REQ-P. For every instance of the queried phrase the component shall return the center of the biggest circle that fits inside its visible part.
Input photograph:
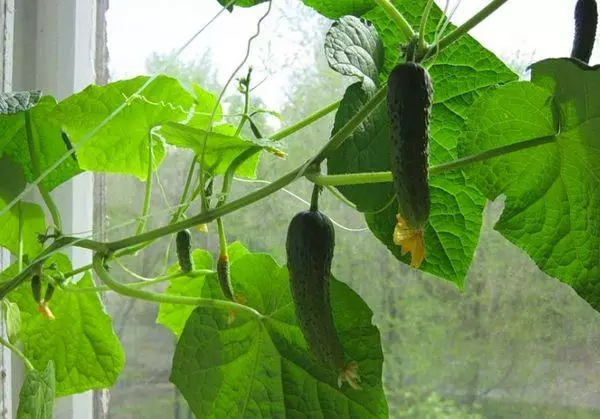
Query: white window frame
(51, 45)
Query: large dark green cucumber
(409, 99)
(309, 245)
(586, 21)
(183, 242)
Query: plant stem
(148, 194)
(280, 135)
(336, 140)
(489, 154)
(17, 352)
(143, 284)
(385, 177)
(186, 188)
(468, 25)
(245, 116)
(314, 199)
(397, 17)
(123, 289)
(35, 163)
(424, 18)
(340, 136)
(20, 239)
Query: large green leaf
(460, 74)
(47, 143)
(36, 399)
(261, 367)
(29, 216)
(220, 146)
(552, 191)
(122, 144)
(80, 342)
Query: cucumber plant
(296, 326)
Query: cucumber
(36, 288)
(309, 246)
(224, 277)
(183, 243)
(409, 101)
(586, 21)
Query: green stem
(17, 352)
(77, 271)
(336, 140)
(424, 18)
(314, 199)
(148, 194)
(245, 116)
(397, 17)
(186, 188)
(340, 136)
(119, 288)
(467, 26)
(280, 135)
(59, 244)
(20, 239)
(35, 163)
(386, 177)
(143, 284)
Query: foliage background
(515, 343)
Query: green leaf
(204, 104)
(36, 399)
(241, 3)
(261, 367)
(452, 233)
(333, 9)
(222, 146)
(363, 151)
(353, 48)
(121, 145)
(13, 102)
(11, 317)
(80, 342)
(551, 191)
(47, 141)
(174, 316)
(29, 216)
(460, 74)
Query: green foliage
(550, 209)
(80, 342)
(25, 217)
(46, 143)
(258, 366)
(251, 359)
(36, 399)
(121, 144)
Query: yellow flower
(45, 310)
(202, 228)
(410, 241)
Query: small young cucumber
(310, 244)
(410, 93)
(183, 242)
(586, 21)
